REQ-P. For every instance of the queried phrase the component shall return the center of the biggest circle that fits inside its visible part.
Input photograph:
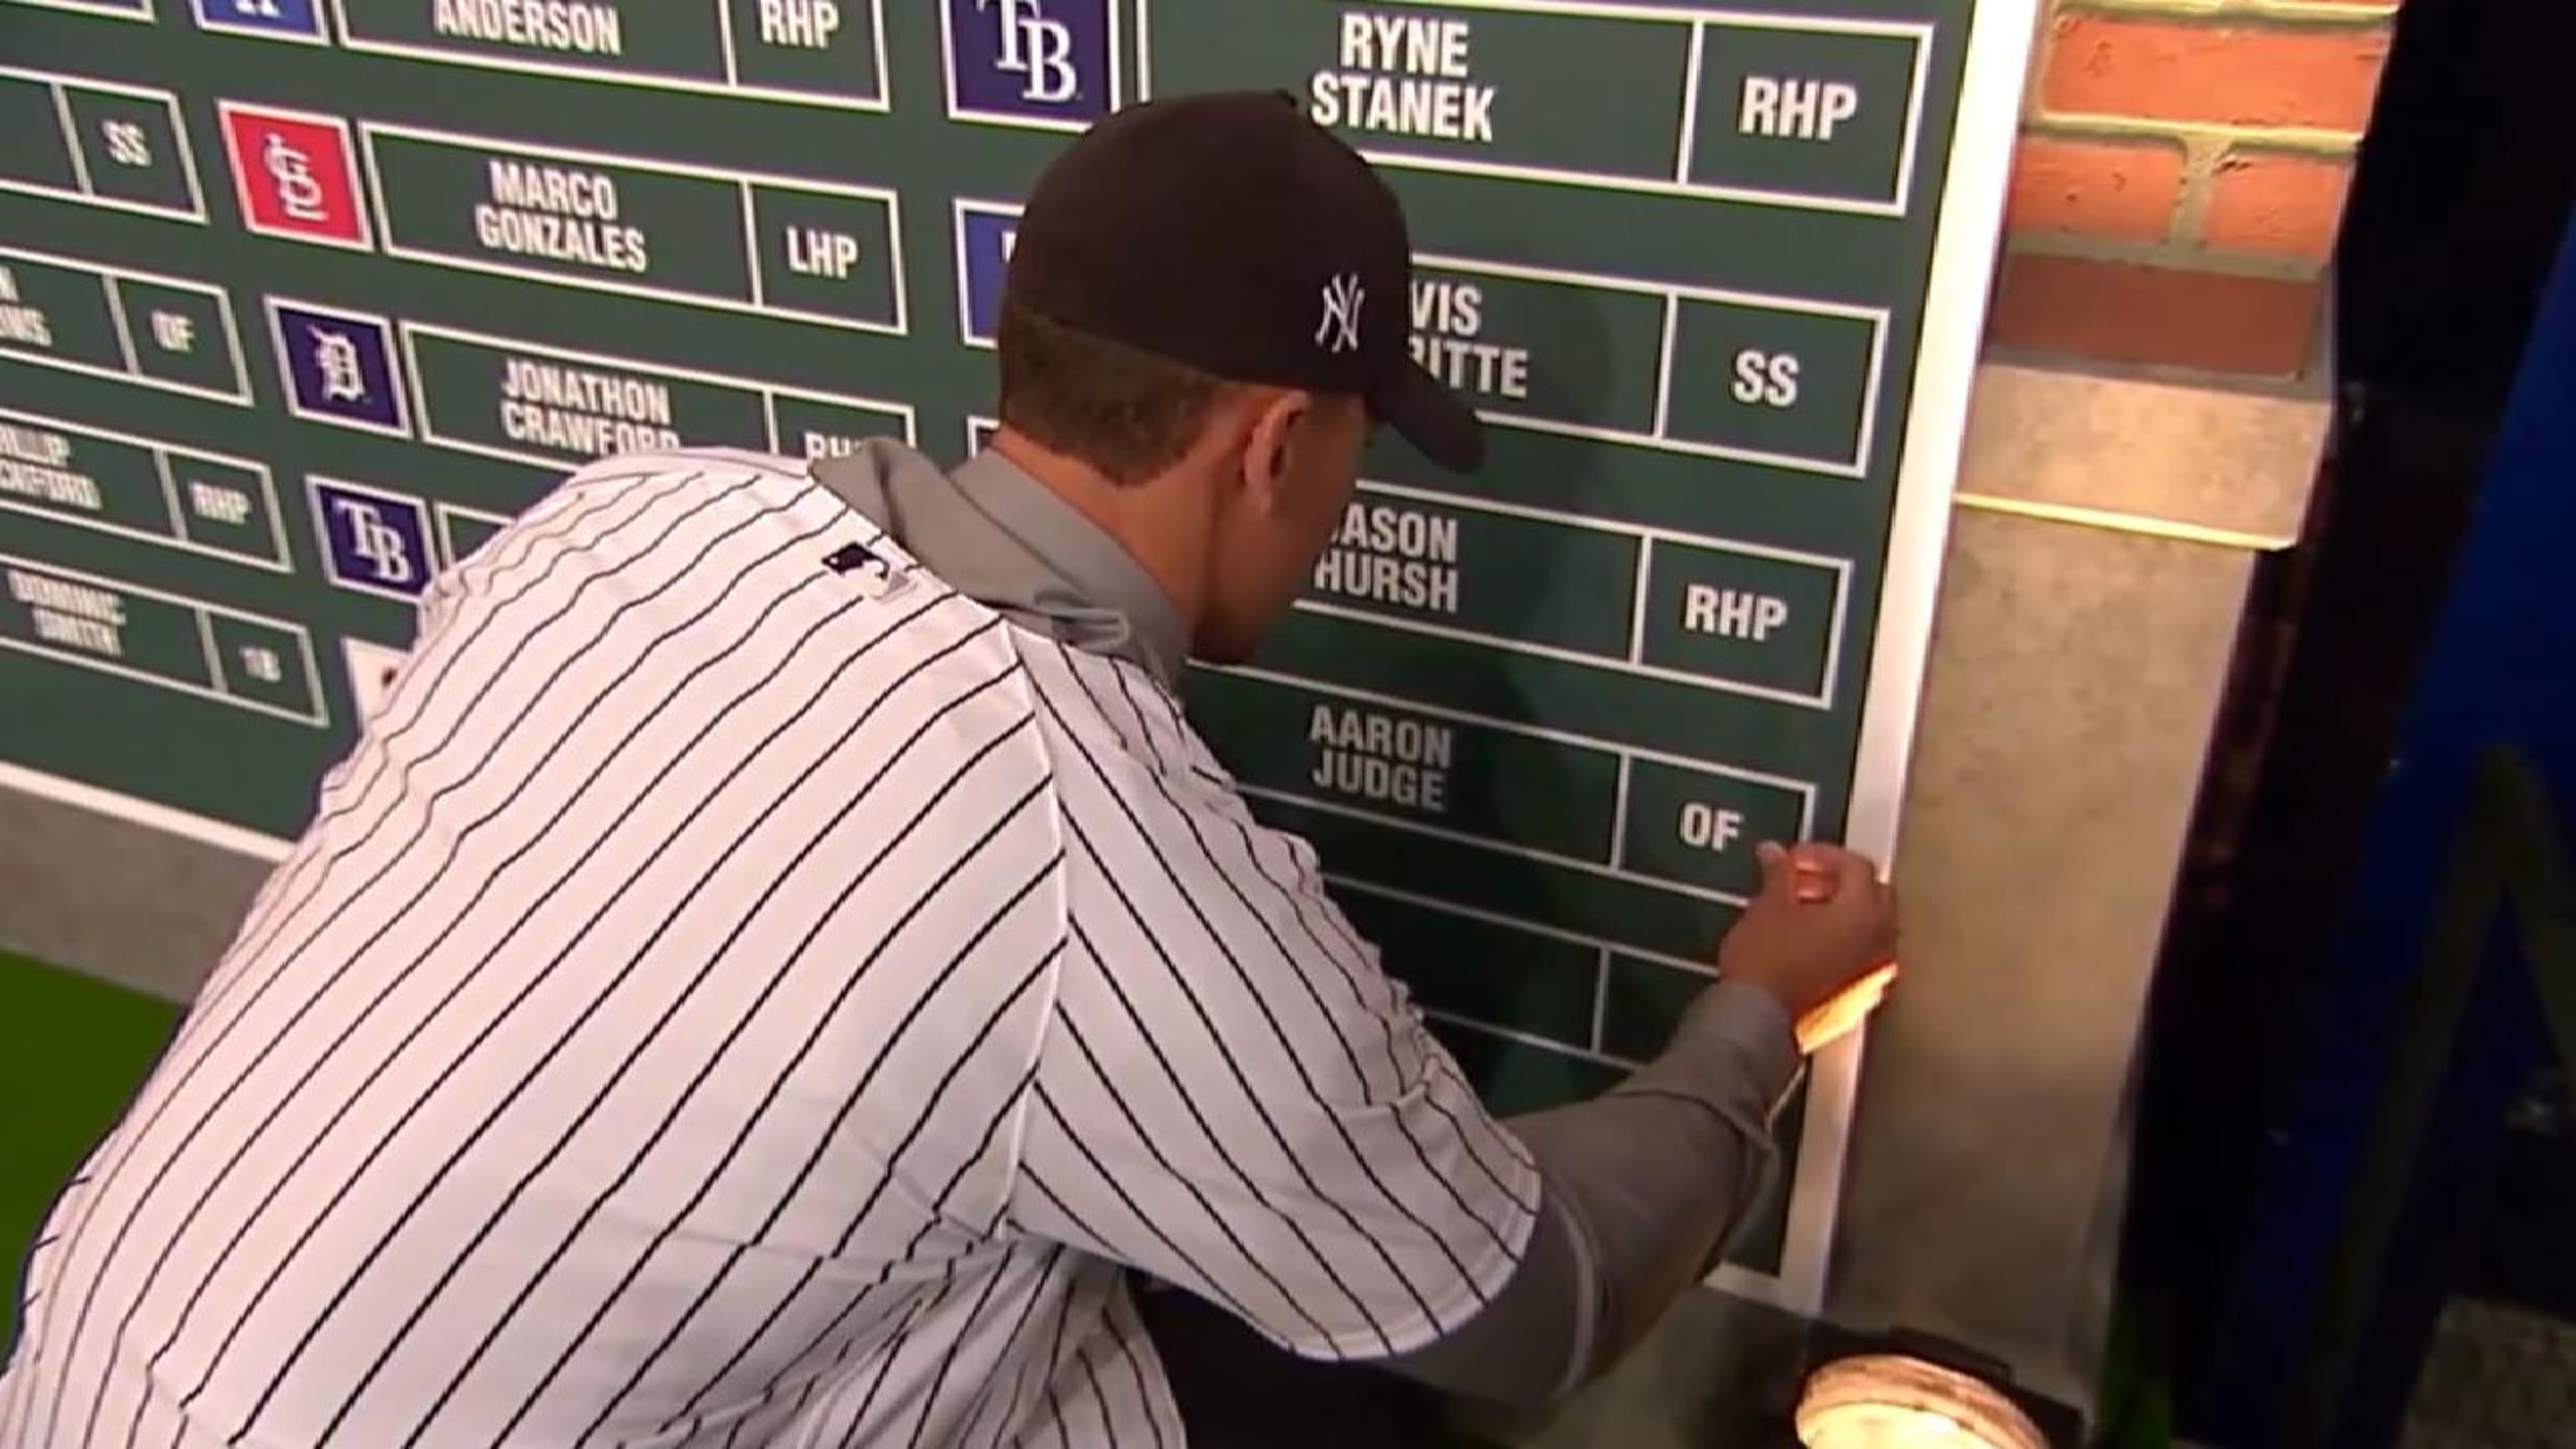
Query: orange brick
(2095, 188)
(2280, 205)
(2123, 311)
(2168, 70)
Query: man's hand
(1820, 937)
(1812, 867)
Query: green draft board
(301, 299)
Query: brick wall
(2181, 173)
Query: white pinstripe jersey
(723, 1000)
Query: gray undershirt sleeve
(1643, 1189)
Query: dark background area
(2461, 192)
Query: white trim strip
(151, 816)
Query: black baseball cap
(1227, 231)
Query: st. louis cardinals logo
(1338, 329)
(295, 175)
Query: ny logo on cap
(1338, 330)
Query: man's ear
(1268, 445)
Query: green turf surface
(72, 1051)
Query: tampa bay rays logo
(1035, 48)
(1338, 329)
(373, 541)
(1046, 63)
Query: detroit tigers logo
(1338, 329)
(1046, 63)
(338, 367)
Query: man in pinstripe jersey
(779, 964)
